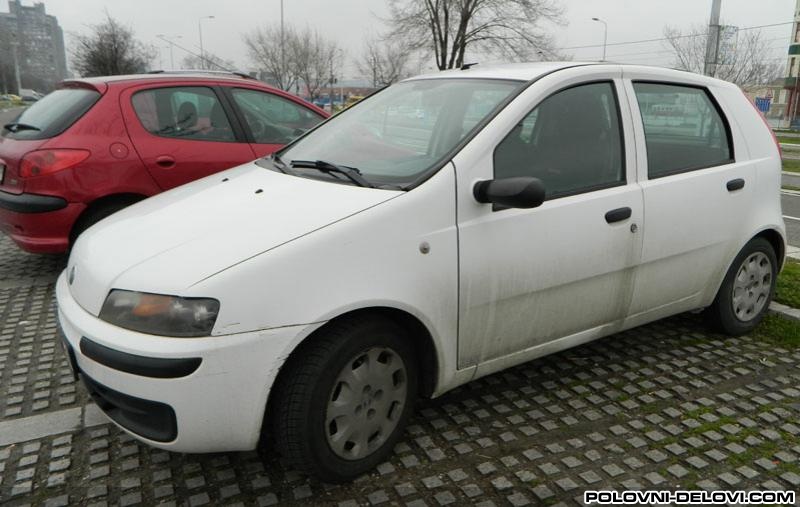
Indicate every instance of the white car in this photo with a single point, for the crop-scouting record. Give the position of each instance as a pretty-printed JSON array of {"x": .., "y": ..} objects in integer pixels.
[{"x": 307, "y": 299}]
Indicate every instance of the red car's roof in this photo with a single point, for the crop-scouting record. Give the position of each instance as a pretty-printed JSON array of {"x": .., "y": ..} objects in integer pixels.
[
  {"x": 104, "y": 82},
  {"x": 164, "y": 76}
]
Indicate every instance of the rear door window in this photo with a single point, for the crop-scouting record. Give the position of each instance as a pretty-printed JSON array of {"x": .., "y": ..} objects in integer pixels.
[
  {"x": 187, "y": 112},
  {"x": 52, "y": 115},
  {"x": 683, "y": 128}
]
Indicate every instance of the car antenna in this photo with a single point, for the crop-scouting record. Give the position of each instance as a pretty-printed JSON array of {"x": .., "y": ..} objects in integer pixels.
[{"x": 467, "y": 66}]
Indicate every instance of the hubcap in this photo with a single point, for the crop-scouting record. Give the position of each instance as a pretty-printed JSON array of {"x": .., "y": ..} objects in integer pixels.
[
  {"x": 752, "y": 286},
  {"x": 366, "y": 403}
]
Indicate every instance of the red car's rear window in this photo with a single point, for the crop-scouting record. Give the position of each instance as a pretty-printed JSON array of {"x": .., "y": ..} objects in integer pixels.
[{"x": 52, "y": 115}]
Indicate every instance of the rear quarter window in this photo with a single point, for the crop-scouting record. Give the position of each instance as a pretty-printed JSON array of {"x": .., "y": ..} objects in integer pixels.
[
  {"x": 684, "y": 129},
  {"x": 52, "y": 115}
]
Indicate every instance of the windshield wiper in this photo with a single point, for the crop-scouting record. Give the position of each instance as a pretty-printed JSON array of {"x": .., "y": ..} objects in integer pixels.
[
  {"x": 16, "y": 127},
  {"x": 328, "y": 167}
]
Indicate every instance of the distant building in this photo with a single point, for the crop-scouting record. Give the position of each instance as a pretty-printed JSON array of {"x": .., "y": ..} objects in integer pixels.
[
  {"x": 32, "y": 53},
  {"x": 790, "y": 95},
  {"x": 770, "y": 99}
]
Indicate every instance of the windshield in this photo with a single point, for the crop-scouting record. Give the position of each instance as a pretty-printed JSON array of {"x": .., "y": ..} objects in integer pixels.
[
  {"x": 52, "y": 115},
  {"x": 403, "y": 131}
]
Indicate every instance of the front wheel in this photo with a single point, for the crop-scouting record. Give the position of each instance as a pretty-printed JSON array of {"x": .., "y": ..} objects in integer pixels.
[
  {"x": 747, "y": 290},
  {"x": 345, "y": 399}
]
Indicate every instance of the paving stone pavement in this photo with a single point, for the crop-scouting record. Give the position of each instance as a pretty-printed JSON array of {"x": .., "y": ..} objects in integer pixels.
[{"x": 663, "y": 406}]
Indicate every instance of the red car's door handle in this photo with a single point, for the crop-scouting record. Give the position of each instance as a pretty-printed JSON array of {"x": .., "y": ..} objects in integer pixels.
[{"x": 165, "y": 161}]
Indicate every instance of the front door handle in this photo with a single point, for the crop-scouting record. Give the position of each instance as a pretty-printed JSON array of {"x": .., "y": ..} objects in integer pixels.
[
  {"x": 165, "y": 161},
  {"x": 618, "y": 215},
  {"x": 735, "y": 185}
]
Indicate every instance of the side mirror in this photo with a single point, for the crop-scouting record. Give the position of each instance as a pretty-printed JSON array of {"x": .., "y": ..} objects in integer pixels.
[{"x": 521, "y": 192}]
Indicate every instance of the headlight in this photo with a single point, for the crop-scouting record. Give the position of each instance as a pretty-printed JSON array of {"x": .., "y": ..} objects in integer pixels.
[{"x": 160, "y": 315}]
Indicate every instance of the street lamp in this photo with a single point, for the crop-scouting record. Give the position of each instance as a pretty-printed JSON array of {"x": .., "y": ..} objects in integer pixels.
[
  {"x": 168, "y": 39},
  {"x": 605, "y": 35},
  {"x": 161, "y": 55},
  {"x": 283, "y": 50},
  {"x": 200, "y": 31}
]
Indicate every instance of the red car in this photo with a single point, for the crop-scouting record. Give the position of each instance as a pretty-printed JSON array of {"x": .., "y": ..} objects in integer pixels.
[{"x": 94, "y": 146}]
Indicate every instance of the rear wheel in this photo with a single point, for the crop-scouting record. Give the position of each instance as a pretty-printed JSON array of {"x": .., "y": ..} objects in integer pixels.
[
  {"x": 345, "y": 399},
  {"x": 747, "y": 290},
  {"x": 97, "y": 213}
]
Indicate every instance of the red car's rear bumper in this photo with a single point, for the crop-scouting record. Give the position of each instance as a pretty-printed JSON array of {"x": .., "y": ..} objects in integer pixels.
[{"x": 38, "y": 224}]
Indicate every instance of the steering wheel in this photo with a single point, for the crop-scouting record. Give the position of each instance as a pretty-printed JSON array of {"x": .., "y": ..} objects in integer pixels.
[{"x": 257, "y": 127}]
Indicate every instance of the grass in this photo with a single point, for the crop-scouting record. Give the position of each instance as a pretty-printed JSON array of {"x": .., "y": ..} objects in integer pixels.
[
  {"x": 787, "y": 290},
  {"x": 791, "y": 165},
  {"x": 778, "y": 331},
  {"x": 788, "y": 140}
]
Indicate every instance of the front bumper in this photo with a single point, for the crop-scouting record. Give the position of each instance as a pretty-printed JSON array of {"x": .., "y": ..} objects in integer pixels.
[{"x": 218, "y": 407}]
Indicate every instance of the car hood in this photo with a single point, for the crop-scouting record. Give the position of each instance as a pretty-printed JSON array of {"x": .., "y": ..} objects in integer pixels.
[{"x": 170, "y": 242}]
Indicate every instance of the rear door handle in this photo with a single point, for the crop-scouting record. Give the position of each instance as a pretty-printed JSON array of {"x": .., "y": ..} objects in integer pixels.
[
  {"x": 165, "y": 161},
  {"x": 618, "y": 215},
  {"x": 735, "y": 185}
]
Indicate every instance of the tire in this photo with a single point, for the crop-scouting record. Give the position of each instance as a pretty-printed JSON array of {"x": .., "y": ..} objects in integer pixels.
[
  {"x": 747, "y": 290},
  {"x": 94, "y": 215},
  {"x": 319, "y": 379}
]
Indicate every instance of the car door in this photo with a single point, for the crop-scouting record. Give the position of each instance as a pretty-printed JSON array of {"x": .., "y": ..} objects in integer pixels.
[
  {"x": 183, "y": 132},
  {"x": 272, "y": 121},
  {"x": 563, "y": 270},
  {"x": 697, "y": 191}
]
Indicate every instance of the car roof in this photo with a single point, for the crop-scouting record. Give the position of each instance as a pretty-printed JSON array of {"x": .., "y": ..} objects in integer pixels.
[
  {"x": 517, "y": 71},
  {"x": 164, "y": 76},
  {"x": 534, "y": 70}
]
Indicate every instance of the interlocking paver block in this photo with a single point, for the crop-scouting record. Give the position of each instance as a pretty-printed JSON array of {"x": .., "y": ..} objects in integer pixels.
[
  {"x": 792, "y": 478},
  {"x": 677, "y": 470}
]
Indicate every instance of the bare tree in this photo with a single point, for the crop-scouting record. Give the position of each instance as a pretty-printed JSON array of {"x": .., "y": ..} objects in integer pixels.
[
  {"x": 212, "y": 62},
  {"x": 110, "y": 48},
  {"x": 744, "y": 60},
  {"x": 506, "y": 28},
  {"x": 270, "y": 49},
  {"x": 384, "y": 62},
  {"x": 313, "y": 60}
]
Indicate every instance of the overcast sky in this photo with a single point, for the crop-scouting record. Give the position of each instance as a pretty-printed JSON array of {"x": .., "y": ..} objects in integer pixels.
[{"x": 348, "y": 21}]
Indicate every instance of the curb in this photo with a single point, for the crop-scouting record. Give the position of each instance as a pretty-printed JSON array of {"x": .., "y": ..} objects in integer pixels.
[{"x": 784, "y": 311}]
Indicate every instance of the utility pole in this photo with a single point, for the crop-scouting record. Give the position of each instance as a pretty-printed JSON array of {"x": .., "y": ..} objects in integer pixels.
[
  {"x": 333, "y": 79},
  {"x": 712, "y": 44},
  {"x": 17, "y": 79},
  {"x": 794, "y": 95}
]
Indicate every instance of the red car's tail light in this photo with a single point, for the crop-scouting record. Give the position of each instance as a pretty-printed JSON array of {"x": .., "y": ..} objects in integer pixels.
[{"x": 42, "y": 162}]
